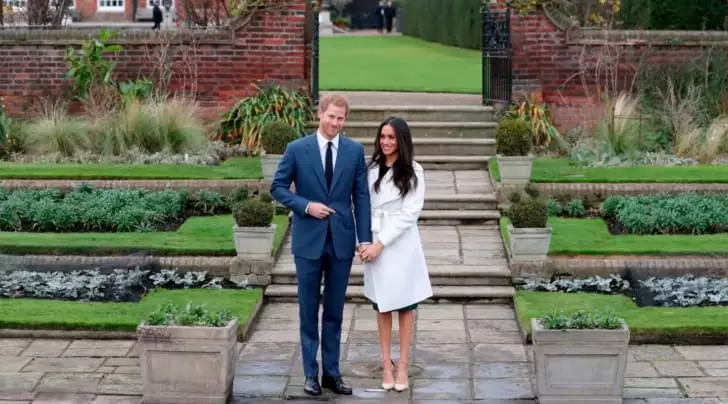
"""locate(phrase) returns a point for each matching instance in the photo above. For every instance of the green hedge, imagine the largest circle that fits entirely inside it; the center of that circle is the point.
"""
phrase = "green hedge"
(449, 22)
(673, 14)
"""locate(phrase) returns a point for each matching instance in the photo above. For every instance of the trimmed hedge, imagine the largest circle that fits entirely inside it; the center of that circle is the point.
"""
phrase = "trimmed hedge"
(673, 14)
(451, 22)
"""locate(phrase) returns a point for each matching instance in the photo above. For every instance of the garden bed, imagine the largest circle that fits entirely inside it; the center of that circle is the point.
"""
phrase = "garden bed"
(547, 170)
(204, 236)
(235, 168)
(38, 314)
(654, 325)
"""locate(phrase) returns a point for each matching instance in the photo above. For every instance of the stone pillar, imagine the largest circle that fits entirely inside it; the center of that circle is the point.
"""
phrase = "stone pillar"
(251, 273)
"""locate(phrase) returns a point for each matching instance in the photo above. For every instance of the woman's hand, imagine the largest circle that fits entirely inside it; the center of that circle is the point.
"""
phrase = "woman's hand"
(370, 252)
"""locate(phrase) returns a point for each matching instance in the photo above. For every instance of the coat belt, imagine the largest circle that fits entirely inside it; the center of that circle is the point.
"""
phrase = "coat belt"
(380, 216)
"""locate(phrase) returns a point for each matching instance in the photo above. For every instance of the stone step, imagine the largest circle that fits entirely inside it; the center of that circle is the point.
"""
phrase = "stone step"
(459, 217)
(461, 113)
(453, 163)
(442, 294)
(442, 146)
(421, 129)
(440, 275)
(485, 201)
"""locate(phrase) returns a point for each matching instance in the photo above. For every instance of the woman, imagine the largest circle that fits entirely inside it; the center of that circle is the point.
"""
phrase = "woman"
(395, 272)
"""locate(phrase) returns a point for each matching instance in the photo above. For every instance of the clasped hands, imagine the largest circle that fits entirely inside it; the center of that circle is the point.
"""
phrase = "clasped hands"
(369, 252)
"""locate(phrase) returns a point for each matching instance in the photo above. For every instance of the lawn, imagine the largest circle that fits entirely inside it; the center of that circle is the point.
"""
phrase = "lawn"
(559, 170)
(209, 235)
(397, 63)
(239, 168)
(651, 322)
(113, 316)
(591, 237)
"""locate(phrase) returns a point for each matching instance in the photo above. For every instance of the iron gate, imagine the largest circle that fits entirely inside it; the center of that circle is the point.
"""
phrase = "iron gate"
(497, 73)
(313, 39)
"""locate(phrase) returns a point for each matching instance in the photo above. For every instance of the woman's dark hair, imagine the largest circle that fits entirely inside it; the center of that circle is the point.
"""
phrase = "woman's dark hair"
(403, 172)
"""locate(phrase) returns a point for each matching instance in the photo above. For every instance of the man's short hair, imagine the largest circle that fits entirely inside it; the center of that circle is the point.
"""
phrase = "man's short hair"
(334, 99)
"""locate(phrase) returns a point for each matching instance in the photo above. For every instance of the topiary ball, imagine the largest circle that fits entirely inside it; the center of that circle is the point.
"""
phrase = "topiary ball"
(253, 212)
(275, 136)
(529, 213)
(513, 137)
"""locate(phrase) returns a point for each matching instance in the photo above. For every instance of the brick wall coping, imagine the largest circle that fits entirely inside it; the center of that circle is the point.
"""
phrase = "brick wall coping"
(587, 36)
(223, 186)
(125, 36)
(584, 266)
(574, 189)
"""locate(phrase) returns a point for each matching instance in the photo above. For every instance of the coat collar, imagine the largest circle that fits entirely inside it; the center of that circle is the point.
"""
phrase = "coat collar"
(388, 192)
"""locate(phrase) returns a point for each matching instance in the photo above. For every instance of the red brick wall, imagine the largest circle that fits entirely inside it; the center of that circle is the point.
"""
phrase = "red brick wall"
(561, 65)
(222, 64)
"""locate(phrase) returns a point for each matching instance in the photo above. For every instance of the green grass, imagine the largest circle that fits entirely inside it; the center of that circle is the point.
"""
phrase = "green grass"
(591, 237)
(559, 170)
(210, 235)
(397, 63)
(238, 168)
(654, 322)
(113, 316)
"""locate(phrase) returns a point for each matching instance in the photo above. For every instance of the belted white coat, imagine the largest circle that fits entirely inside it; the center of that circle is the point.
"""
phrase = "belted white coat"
(398, 277)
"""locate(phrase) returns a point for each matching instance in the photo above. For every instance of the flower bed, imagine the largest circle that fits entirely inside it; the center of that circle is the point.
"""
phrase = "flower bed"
(119, 285)
(87, 209)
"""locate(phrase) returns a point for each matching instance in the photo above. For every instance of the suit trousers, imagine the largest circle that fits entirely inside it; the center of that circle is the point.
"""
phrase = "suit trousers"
(336, 279)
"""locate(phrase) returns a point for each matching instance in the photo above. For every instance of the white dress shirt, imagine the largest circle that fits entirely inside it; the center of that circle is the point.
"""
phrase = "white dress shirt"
(323, 144)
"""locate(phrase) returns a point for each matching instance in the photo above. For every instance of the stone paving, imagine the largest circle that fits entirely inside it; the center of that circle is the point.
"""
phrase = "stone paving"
(461, 353)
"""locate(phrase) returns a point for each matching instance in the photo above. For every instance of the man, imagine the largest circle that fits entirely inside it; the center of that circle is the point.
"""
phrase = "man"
(330, 173)
(157, 16)
(379, 15)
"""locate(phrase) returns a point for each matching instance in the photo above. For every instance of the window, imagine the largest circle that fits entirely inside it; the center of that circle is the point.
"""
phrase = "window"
(115, 5)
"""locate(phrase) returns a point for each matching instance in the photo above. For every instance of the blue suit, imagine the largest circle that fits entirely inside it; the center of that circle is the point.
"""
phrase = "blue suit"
(324, 247)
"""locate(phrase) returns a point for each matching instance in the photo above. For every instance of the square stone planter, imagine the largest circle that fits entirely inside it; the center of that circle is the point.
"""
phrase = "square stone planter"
(579, 366)
(529, 244)
(269, 165)
(254, 243)
(515, 169)
(187, 365)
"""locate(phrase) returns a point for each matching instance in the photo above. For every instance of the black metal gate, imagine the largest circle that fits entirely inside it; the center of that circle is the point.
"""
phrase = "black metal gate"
(497, 73)
(313, 23)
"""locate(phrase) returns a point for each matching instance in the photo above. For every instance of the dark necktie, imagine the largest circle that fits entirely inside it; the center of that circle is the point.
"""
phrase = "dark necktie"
(329, 166)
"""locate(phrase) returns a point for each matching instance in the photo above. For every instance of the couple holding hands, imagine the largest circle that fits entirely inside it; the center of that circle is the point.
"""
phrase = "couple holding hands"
(330, 173)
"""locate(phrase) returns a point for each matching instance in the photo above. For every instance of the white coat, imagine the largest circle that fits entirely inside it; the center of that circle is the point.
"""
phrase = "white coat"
(398, 277)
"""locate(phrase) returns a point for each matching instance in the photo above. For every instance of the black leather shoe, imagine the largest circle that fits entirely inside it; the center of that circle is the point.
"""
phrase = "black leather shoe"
(336, 384)
(312, 386)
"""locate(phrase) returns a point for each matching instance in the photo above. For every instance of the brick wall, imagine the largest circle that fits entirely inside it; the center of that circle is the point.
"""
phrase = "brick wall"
(560, 64)
(220, 64)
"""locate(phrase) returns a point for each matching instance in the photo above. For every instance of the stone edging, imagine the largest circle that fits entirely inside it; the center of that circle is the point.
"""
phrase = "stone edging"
(649, 265)
(222, 186)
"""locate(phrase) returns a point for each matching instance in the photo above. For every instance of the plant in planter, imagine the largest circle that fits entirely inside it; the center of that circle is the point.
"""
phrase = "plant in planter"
(580, 357)
(187, 355)
(274, 138)
(513, 143)
(529, 235)
(254, 229)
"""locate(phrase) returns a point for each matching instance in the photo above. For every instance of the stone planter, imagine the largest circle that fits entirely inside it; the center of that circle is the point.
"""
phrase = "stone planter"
(579, 366)
(187, 365)
(529, 244)
(269, 165)
(515, 169)
(254, 243)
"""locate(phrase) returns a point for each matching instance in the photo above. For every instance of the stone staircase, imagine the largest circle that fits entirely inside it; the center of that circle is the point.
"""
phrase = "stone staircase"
(458, 225)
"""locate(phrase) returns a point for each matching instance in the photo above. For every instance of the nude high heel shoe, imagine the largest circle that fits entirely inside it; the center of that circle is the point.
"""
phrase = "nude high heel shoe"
(388, 386)
(401, 387)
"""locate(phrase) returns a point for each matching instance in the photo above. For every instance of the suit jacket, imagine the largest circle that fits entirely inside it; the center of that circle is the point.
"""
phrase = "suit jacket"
(301, 165)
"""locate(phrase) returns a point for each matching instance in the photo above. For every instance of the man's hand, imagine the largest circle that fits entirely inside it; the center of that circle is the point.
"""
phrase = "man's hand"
(319, 210)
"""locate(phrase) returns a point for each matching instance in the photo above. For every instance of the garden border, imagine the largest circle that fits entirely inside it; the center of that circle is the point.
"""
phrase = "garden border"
(66, 185)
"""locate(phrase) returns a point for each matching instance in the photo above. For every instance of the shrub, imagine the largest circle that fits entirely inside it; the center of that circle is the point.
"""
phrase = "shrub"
(554, 207)
(191, 315)
(682, 213)
(582, 320)
(275, 136)
(529, 213)
(239, 194)
(253, 212)
(513, 138)
(575, 208)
